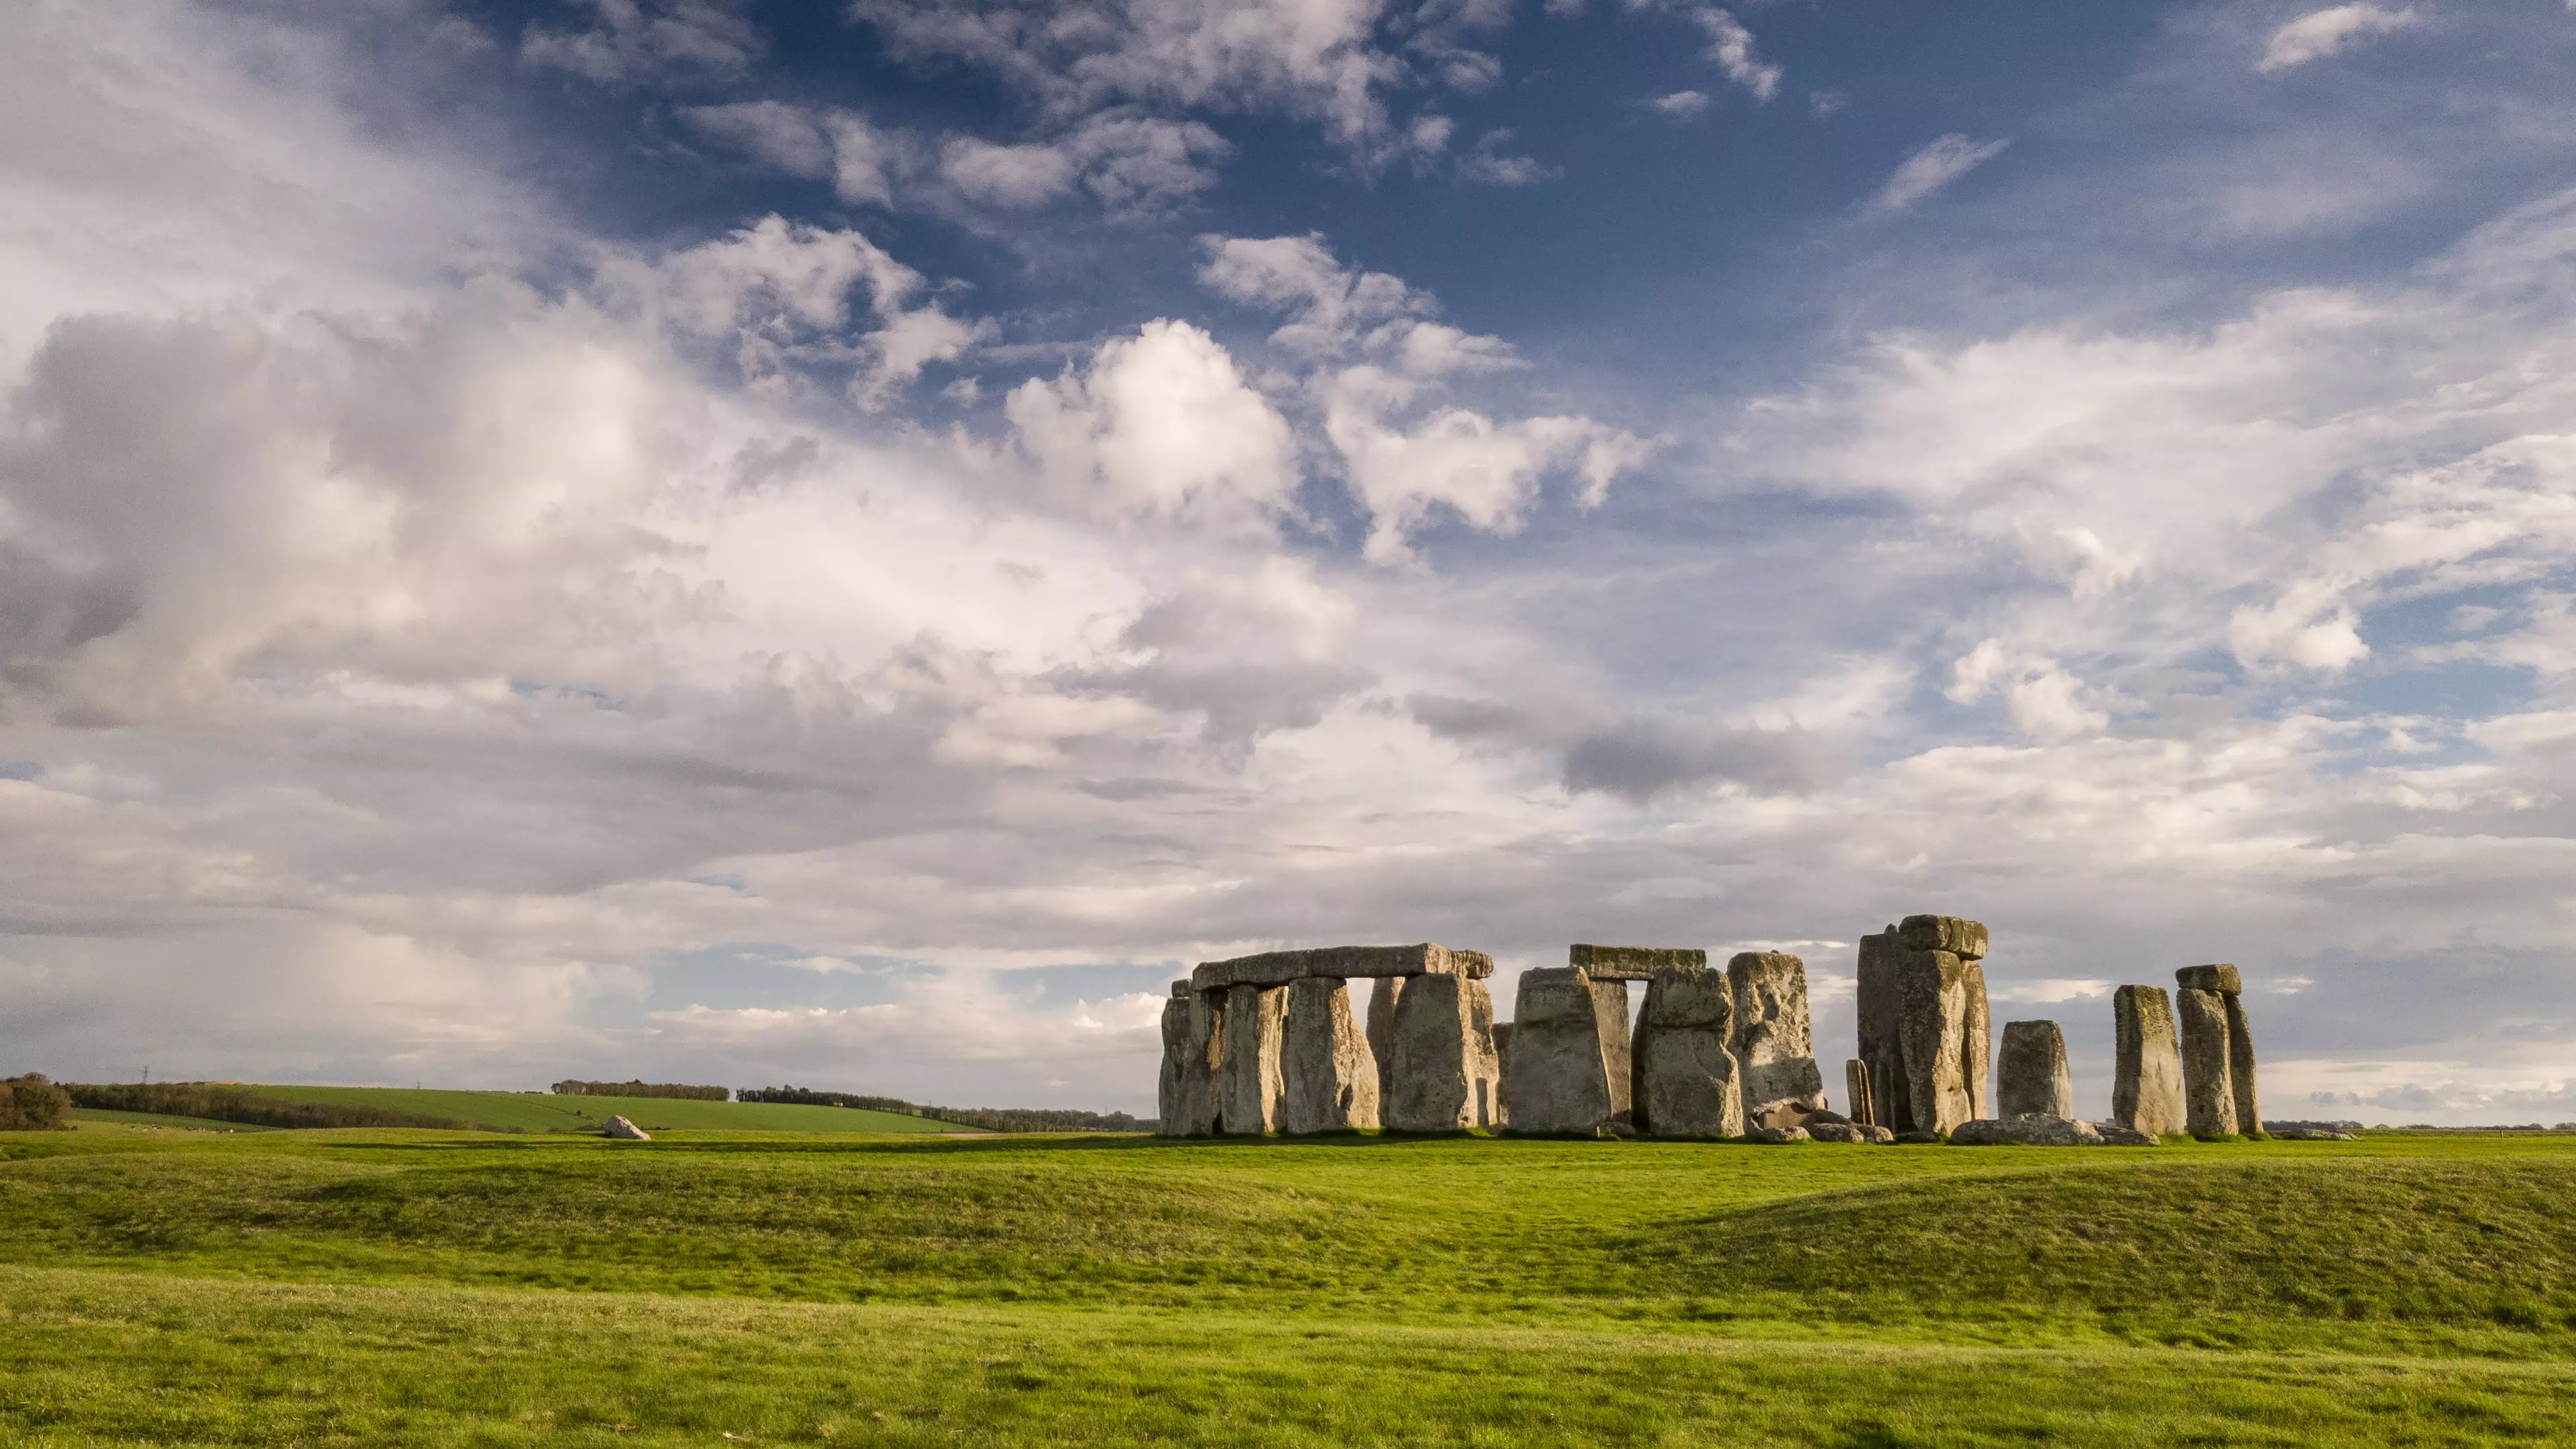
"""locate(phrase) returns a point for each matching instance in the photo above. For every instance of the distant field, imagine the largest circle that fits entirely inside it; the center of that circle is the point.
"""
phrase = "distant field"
(107, 1118)
(436, 1289)
(545, 1112)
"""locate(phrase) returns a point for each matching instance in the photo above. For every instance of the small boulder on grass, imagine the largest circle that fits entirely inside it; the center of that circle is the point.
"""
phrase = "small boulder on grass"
(625, 1131)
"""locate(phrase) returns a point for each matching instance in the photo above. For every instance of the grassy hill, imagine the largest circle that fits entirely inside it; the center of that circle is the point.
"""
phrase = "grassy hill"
(546, 1112)
(443, 1288)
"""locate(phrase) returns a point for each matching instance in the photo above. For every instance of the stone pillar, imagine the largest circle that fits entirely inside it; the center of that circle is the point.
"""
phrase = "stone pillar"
(1881, 1052)
(2031, 1074)
(1610, 1012)
(2209, 1095)
(1931, 1033)
(1862, 1104)
(2224, 980)
(1193, 1054)
(2146, 1079)
(1381, 1034)
(1690, 1086)
(1559, 1079)
(1249, 1092)
(1774, 1051)
(1446, 1077)
(1327, 1074)
(1974, 1037)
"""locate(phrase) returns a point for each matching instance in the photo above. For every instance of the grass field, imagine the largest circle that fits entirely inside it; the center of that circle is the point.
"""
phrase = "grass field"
(105, 1117)
(438, 1289)
(546, 1112)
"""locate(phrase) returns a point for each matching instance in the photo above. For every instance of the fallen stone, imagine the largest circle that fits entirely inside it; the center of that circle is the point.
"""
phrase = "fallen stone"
(2221, 978)
(2031, 1074)
(2146, 1076)
(1771, 1038)
(1847, 1132)
(1953, 934)
(1791, 1114)
(1447, 1078)
(2032, 1129)
(2209, 1095)
(625, 1131)
(1559, 1083)
(2240, 1065)
(1778, 1134)
(1689, 1084)
(1278, 968)
(1632, 963)
(2289, 1133)
(2115, 1135)
(1248, 1090)
(1327, 1074)
(1919, 1139)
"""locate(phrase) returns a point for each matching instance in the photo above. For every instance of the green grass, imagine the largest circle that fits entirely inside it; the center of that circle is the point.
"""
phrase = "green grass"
(106, 1117)
(546, 1112)
(443, 1288)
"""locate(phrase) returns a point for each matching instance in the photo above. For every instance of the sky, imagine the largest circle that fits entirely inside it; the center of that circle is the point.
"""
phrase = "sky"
(849, 544)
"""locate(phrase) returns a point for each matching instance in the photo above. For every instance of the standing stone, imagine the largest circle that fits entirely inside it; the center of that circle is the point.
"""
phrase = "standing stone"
(2146, 1081)
(1881, 1052)
(1610, 1012)
(1775, 1055)
(2031, 1075)
(1327, 1074)
(1974, 1037)
(1446, 1076)
(1254, 1020)
(1503, 1082)
(1863, 1102)
(1560, 1082)
(1931, 994)
(2209, 1096)
(1191, 1062)
(2240, 1065)
(1381, 1034)
(1690, 1085)
(625, 1131)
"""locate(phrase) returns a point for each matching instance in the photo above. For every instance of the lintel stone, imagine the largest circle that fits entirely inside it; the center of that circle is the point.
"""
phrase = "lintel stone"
(1957, 935)
(1632, 963)
(1278, 968)
(2221, 978)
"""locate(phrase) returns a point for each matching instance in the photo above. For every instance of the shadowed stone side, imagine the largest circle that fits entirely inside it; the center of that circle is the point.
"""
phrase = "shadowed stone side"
(1689, 1084)
(1931, 993)
(1560, 1084)
(1446, 1077)
(2146, 1078)
(2240, 1064)
(1381, 1034)
(2035, 1129)
(1862, 1102)
(2209, 1096)
(1249, 1090)
(1191, 1062)
(2031, 1074)
(1882, 1050)
(1327, 1074)
(1771, 1041)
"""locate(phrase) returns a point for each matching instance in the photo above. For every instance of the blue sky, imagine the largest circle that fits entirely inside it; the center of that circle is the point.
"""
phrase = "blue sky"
(848, 544)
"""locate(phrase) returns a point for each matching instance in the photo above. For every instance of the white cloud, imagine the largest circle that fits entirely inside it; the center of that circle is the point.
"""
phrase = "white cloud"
(2321, 33)
(1128, 161)
(1731, 46)
(631, 42)
(1488, 163)
(1680, 105)
(1944, 160)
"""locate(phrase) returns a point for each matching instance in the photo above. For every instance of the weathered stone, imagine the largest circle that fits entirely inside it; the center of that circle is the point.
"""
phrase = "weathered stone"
(625, 1131)
(1278, 968)
(2240, 1066)
(1560, 1084)
(1192, 1056)
(1976, 1053)
(2209, 1096)
(2034, 1129)
(1446, 1078)
(1381, 1035)
(1932, 1024)
(2115, 1135)
(2031, 1074)
(1632, 963)
(1847, 1132)
(1953, 934)
(2310, 1134)
(2146, 1076)
(1857, 1092)
(1248, 1090)
(1610, 1011)
(1503, 1077)
(1774, 1050)
(2219, 977)
(1777, 1134)
(1689, 1083)
(1882, 1055)
(1327, 1074)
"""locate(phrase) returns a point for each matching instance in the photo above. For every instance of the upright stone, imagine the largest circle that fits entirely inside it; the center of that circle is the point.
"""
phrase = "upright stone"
(1446, 1076)
(1610, 1013)
(2031, 1075)
(1559, 1080)
(1191, 1059)
(1254, 1020)
(1932, 1018)
(2146, 1077)
(2209, 1094)
(1327, 1074)
(1689, 1083)
(1862, 1103)
(1381, 1034)
(1882, 1052)
(1974, 1032)
(1774, 1050)
(2240, 1065)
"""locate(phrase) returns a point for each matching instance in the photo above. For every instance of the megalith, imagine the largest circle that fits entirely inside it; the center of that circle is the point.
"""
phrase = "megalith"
(1689, 1084)
(1861, 1102)
(1191, 1060)
(1923, 1023)
(1446, 1076)
(2146, 1075)
(2223, 979)
(2031, 1074)
(1381, 1034)
(1771, 1040)
(1560, 1080)
(1255, 1018)
(1610, 969)
(2209, 1093)
(1327, 1074)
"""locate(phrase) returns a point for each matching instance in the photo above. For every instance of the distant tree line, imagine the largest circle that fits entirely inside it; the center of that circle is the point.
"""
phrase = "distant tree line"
(32, 1104)
(641, 1089)
(991, 1119)
(230, 1104)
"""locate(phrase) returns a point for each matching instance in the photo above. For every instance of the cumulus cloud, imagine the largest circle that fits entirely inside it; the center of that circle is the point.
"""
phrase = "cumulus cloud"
(1680, 105)
(2326, 32)
(632, 42)
(1490, 164)
(1944, 160)
(1731, 46)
